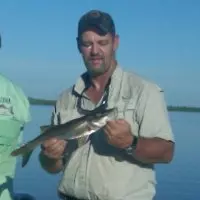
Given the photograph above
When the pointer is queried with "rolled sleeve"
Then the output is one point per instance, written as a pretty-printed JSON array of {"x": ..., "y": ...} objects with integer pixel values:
[{"x": 153, "y": 115}]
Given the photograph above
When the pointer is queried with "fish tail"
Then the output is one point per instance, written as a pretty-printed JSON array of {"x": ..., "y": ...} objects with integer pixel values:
[
  {"x": 20, "y": 151},
  {"x": 25, "y": 152}
]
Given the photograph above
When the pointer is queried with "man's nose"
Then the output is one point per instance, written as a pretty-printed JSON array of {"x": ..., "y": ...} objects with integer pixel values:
[{"x": 94, "y": 49}]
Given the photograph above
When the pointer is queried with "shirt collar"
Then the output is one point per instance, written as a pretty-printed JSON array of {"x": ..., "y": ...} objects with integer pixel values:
[
  {"x": 81, "y": 83},
  {"x": 83, "y": 80}
]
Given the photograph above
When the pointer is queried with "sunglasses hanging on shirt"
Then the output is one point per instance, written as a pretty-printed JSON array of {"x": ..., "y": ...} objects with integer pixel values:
[{"x": 101, "y": 107}]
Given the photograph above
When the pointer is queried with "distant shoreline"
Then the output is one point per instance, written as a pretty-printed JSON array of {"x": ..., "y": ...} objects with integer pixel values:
[{"x": 45, "y": 102}]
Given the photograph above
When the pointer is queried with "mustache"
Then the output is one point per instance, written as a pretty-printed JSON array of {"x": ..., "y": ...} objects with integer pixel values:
[{"x": 95, "y": 57}]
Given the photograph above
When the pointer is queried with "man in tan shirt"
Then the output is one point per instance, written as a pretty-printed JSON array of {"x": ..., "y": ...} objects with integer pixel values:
[{"x": 117, "y": 162}]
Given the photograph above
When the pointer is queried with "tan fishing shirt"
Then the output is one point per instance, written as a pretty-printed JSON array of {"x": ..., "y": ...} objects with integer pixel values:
[{"x": 98, "y": 171}]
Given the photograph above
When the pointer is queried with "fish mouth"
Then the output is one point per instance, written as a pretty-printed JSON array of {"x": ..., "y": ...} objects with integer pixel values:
[
  {"x": 98, "y": 124},
  {"x": 109, "y": 113}
]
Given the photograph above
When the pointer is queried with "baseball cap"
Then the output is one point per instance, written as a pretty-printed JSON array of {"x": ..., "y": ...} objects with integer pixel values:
[{"x": 101, "y": 21}]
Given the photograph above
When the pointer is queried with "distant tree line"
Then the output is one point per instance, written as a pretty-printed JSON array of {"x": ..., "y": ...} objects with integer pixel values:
[
  {"x": 183, "y": 108},
  {"x": 35, "y": 101}
]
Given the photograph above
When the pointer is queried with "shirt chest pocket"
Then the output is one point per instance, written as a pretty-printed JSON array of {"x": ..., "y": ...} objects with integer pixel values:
[{"x": 127, "y": 111}]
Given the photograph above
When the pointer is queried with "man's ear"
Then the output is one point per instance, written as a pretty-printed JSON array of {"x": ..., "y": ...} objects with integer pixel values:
[
  {"x": 78, "y": 44},
  {"x": 116, "y": 42}
]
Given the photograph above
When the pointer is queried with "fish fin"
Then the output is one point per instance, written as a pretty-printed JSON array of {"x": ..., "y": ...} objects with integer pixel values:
[
  {"x": 44, "y": 128},
  {"x": 26, "y": 158},
  {"x": 20, "y": 150}
]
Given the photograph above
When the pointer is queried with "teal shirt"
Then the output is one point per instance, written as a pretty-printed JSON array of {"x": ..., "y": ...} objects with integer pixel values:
[{"x": 14, "y": 114}]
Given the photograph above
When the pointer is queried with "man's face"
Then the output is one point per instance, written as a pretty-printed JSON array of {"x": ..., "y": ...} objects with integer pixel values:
[{"x": 97, "y": 51}]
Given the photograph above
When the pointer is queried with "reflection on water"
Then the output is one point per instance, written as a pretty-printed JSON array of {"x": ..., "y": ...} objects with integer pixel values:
[{"x": 179, "y": 180}]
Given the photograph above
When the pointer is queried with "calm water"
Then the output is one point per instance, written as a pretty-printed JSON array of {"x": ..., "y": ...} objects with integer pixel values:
[{"x": 178, "y": 181}]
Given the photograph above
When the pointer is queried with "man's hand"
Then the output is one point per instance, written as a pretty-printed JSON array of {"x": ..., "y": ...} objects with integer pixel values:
[
  {"x": 118, "y": 133},
  {"x": 53, "y": 148}
]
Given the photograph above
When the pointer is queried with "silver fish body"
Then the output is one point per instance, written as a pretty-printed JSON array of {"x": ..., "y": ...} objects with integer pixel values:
[{"x": 73, "y": 129}]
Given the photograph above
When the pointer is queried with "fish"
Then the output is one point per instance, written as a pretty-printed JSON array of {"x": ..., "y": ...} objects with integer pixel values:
[{"x": 76, "y": 128}]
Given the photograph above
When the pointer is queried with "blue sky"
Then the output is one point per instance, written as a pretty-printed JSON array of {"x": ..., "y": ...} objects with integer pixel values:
[{"x": 158, "y": 40}]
